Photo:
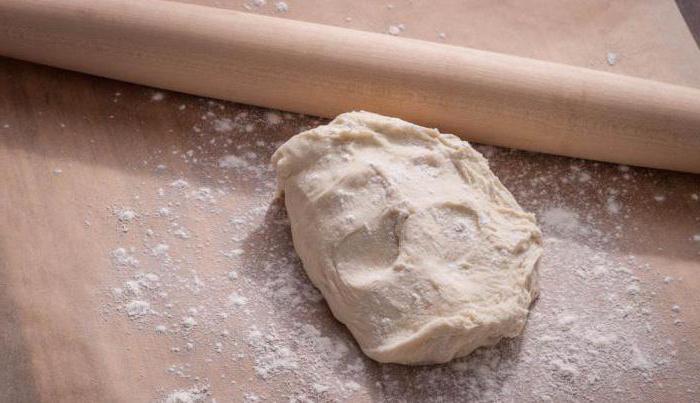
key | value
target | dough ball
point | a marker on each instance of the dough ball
(415, 244)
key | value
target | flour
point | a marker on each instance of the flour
(193, 395)
(281, 6)
(122, 258)
(273, 118)
(223, 125)
(395, 30)
(179, 184)
(563, 220)
(232, 161)
(271, 356)
(203, 194)
(137, 308)
(237, 300)
(126, 215)
(160, 250)
(188, 322)
(181, 233)
(141, 282)
(251, 4)
(613, 206)
(260, 332)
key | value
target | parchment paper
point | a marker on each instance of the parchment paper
(78, 151)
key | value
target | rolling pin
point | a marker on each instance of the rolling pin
(323, 70)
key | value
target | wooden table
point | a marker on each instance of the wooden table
(78, 153)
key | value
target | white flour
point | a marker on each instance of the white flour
(207, 267)
(282, 7)
(192, 395)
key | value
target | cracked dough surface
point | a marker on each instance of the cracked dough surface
(415, 244)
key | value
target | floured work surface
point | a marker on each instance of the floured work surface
(143, 255)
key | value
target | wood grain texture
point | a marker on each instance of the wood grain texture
(322, 70)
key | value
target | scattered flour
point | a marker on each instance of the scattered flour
(137, 308)
(257, 3)
(121, 258)
(613, 206)
(188, 322)
(126, 215)
(160, 250)
(272, 357)
(273, 118)
(232, 161)
(223, 125)
(560, 219)
(237, 300)
(396, 29)
(232, 296)
(181, 233)
(192, 395)
(281, 6)
(179, 184)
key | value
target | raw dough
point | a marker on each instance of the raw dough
(415, 244)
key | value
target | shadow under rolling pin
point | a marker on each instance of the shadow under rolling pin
(322, 70)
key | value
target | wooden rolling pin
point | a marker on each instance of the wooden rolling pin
(322, 70)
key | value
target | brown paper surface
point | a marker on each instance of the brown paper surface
(650, 38)
(76, 151)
